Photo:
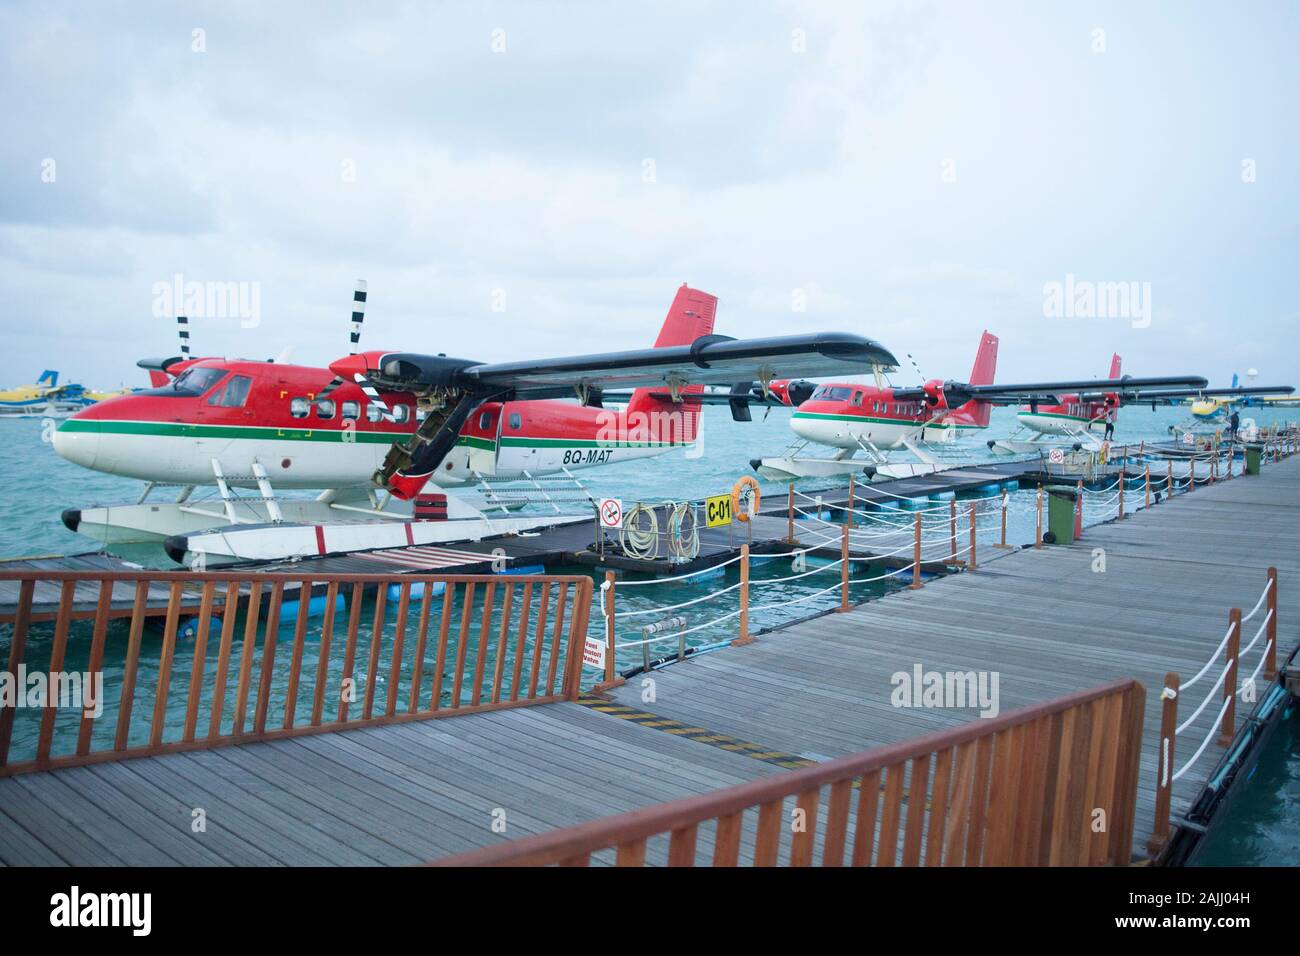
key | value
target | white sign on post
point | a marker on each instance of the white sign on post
(1189, 438)
(1056, 456)
(611, 513)
(593, 654)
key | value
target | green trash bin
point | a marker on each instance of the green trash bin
(1253, 453)
(1061, 503)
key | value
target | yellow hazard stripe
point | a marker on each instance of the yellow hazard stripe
(699, 734)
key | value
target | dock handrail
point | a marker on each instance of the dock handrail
(541, 618)
(939, 548)
(1225, 720)
(999, 791)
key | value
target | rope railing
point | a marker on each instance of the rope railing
(1228, 685)
(932, 549)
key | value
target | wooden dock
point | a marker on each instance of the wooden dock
(1044, 620)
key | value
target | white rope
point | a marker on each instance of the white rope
(673, 607)
(1217, 684)
(1260, 603)
(1262, 658)
(1214, 656)
(1206, 742)
(1263, 624)
(683, 577)
(762, 607)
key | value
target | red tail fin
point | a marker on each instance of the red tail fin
(689, 317)
(976, 413)
(1114, 366)
(986, 360)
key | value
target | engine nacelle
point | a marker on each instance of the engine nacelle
(935, 393)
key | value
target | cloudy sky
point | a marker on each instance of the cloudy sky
(528, 179)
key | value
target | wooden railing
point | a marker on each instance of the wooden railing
(438, 646)
(1227, 687)
(1050, 784)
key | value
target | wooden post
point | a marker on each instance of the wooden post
(1122, 481)
(1270, 657)
(1038, 531)
(789, 534)
(971, 556)
(848, 515)
(916, 555)
(1165, 764)
(609, 625)
(744, 637)
(1078, 512)
(1006, 495)
(1231, 682)
(1169, 482)
(1146, 485)
(844, 570)
(952, 527)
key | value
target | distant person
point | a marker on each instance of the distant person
(1110, 426)
(1233, 424)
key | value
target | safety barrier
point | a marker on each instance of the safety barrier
(917, 536)
(1021, 789)
(540, 621)
(1225, 721)
(931, 536)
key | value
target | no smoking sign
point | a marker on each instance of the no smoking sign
(611, 513)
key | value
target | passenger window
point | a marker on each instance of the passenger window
(234, 394)
(374, 413)
(401, 414)
(299, 407)
(485, 422)
(857, 398)
(352, 410)
(324, 409)
(516, 421)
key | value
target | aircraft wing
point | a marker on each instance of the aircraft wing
(710, 360)
(1048, 392)
(1144, 396)
(706, 398)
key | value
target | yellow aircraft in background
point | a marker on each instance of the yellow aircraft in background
(47, 397)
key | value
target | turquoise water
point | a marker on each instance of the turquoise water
(1261, 825)
(37, 485)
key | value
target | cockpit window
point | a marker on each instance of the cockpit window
(832, 393)
(234, 394)
(191, 383)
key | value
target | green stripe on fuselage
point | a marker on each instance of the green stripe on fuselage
(193, 430)
(871, 419)
(255, 432)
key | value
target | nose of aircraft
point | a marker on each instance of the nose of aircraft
(78, 438)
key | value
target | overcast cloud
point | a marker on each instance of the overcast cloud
(911, 172)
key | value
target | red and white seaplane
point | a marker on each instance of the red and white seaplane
(875, 420)
(1083, 420)
(374, 428)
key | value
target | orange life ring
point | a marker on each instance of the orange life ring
(742, 514)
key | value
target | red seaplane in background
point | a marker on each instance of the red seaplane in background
(853, 417)
(374, 428)
(1085, 419)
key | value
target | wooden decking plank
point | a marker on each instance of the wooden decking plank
(297, 793)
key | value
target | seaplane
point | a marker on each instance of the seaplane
(46, 398)
(875, 420)
(43, 398)
(1210, 408)
(1083, 421)
(372, 429)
